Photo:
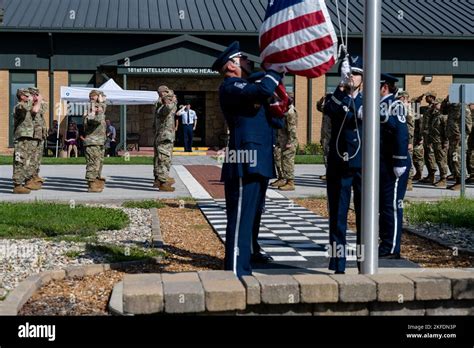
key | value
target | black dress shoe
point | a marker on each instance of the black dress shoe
(261, 258)
(339, 272)
(389, 256)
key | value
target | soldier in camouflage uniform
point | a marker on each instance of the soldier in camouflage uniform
(24, 143)
(40, 134)
(439, 141)
(470, 154)
(285, 151)
(325, 130)
(94, 141)
(430, 160)
(418, 150)
(454, 135)
(164, 130)
(404, 97)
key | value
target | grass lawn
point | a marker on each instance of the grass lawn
(455, 212)
(51, 220)
(309, 159)
(146, 204)
(302, 159)
(8, 160)
(115, 253)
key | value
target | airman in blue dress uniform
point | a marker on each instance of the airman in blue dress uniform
(394, 167)
(249, 160)
(344, 108)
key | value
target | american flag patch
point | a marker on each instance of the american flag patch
(299, 35)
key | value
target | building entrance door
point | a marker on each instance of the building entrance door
(198, 104)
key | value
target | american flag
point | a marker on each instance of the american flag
(299, 35)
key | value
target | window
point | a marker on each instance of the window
(463, 79)
(401, 81)
(289, 82)
(332, 81)
(18, 80)
(82, 79)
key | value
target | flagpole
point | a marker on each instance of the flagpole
(371, 136)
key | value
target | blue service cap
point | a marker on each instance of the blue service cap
(387, 78)
(230, 52)
(357, 64)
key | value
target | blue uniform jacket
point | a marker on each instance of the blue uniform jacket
(393, 133)
(345, 148)
(251, 128)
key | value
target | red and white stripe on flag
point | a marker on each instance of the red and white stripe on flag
(299, 35)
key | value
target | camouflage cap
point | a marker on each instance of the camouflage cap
(438, 101)
(22, 91)
(431, 94)
(34, 90)
(163, 89)
(403, 94)
(94, 92)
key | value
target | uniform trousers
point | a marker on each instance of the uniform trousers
(392, 193)
(340, 183)
(244, 207)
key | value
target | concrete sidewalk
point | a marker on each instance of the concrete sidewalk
(134, 182)
(308, 184)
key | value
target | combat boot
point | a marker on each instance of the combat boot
(456, 186)
(94, 186)
(417, 176)
(101, 183)
(430, 179)
(156, 183)
(410, 185)
(20, 189)
(38, 179)
(470, 180)
(166, 187)
(33, 185)
(442, 183)
(450, 177)
(278, 183)
(171, 180)
(323, 177)
(289, 186)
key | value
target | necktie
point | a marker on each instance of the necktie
(187, 118)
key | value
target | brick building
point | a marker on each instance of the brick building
(143, 44)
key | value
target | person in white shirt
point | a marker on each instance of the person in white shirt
(189, 121)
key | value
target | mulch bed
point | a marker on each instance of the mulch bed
(191, 245)
(424, 252)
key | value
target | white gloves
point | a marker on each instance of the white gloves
(345, 72)
(360, 113)
(399, 171)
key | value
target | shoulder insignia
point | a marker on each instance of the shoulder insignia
(240, 85)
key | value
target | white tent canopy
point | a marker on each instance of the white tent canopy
(115, 95)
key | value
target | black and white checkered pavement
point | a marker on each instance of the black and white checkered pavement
(291, 234)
